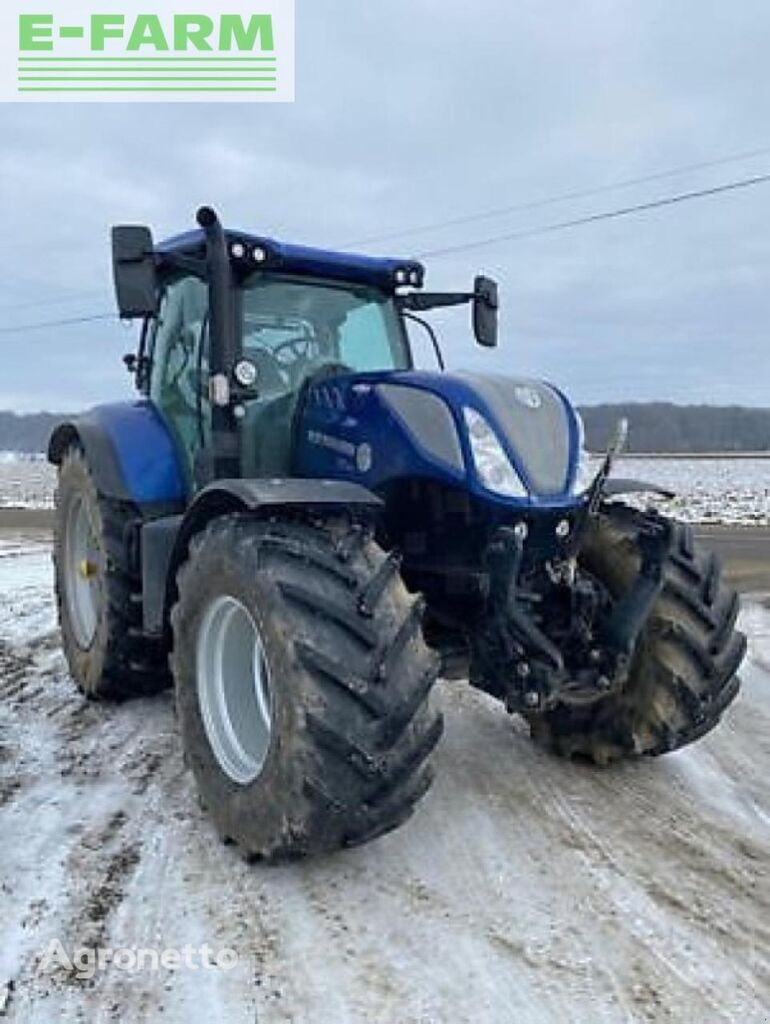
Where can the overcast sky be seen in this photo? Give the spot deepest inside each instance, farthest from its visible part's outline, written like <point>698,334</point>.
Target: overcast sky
<point>409,114</point>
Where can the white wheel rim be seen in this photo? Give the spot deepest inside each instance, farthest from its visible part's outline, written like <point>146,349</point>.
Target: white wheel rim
<point>81,574</point>
<point>233,686</point>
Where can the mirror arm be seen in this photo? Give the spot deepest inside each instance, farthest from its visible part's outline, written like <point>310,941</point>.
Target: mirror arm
<point>420,302</point>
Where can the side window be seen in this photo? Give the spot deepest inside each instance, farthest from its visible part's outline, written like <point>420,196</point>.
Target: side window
<point>366,343</point>
<point>178,378</point>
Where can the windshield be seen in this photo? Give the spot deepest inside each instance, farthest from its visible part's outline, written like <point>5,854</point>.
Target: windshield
<point>294,327</point>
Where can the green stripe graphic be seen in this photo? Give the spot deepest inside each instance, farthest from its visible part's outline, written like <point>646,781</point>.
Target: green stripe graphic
<point>170,74</point>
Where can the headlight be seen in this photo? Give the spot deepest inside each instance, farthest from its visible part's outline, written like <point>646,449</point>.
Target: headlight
<point>492,464</point>
<point>586,468</point>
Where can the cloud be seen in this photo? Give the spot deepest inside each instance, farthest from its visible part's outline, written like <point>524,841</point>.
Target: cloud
<point>406,117</point>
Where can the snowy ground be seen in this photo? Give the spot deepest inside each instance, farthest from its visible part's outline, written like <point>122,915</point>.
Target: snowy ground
<point>524,889</point>
<point>711,490</point>
<point>26,481</point>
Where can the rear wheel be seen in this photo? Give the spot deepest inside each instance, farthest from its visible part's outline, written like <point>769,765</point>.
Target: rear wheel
<point>683,673</point>
<point>98,595</point>
<point>303,685</point>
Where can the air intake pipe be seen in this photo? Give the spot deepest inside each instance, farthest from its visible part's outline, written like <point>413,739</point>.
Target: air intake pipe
<point>224,460</point>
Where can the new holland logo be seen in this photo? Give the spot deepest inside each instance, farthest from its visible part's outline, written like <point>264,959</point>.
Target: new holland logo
<point>528,396</point>
<point>222,51</point>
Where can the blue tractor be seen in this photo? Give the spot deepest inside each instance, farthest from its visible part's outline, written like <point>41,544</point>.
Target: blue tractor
<point>303,532</point>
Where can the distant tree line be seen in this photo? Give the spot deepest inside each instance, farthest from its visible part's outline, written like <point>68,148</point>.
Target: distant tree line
<point>28,432</point>
<point>653,427</point>
<point>663,427</point>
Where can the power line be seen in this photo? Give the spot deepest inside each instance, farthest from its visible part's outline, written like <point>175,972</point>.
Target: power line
<point>623,211</point>
<point>57,323</point>
<point>559,197</point>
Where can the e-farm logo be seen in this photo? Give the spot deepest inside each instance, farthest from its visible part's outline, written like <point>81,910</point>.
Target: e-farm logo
<point>166,50</point>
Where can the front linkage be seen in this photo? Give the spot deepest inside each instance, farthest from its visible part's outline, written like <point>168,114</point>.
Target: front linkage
<point>556,634</point>
<point>572,645</point>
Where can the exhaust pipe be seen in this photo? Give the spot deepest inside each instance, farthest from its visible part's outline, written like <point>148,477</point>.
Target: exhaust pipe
<point>221,312</point>
<point>224,459</point>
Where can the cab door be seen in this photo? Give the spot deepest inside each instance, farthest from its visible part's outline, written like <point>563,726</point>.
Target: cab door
<point>179,367</point>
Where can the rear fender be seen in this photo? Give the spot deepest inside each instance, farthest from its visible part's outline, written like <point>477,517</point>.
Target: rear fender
<point>131,454</point>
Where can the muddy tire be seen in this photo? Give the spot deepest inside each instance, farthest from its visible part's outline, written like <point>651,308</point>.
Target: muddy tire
<point>683,673</point>
<point>320,739</point>
<point>98,597</point>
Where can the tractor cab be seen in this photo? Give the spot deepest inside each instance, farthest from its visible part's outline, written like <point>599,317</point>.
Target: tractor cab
<point>238,327</point>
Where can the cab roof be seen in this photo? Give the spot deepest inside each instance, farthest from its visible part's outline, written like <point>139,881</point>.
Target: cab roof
<point>382,272</point>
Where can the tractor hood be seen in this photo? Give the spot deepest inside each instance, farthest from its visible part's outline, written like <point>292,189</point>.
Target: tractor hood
<point>375,428</point>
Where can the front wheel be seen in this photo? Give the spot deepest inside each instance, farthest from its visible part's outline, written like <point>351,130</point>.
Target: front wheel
<point>303,685</point>
<point>683,673</point>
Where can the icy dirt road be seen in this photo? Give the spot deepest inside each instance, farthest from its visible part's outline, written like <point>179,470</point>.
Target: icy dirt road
<point>524,889</point>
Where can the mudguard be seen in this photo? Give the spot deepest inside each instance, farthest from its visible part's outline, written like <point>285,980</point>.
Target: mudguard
<point>130,451</point>
<point>620,485</point>
<point>165,541</point>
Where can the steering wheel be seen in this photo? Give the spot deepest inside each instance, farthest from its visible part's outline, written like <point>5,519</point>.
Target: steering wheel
<point>298,347</point>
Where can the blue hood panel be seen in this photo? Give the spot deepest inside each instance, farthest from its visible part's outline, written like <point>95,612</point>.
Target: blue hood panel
<point>375,428</point>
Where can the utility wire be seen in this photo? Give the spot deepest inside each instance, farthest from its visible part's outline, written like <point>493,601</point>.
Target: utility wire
<point>623,211</point>
<point>559,197</point>
<point>57,323</point>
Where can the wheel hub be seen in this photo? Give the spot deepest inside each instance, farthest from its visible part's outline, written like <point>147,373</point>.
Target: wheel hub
<point>233,684</point>
<point>82,574</point>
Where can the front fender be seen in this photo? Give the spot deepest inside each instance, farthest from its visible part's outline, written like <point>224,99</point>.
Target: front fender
<point>620,485</point>
<point>166,541</point>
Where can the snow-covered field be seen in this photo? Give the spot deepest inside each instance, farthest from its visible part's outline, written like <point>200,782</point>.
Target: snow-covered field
<point>735,491</point>
<point>712,490</point>
<point>26,481</point>
<point>524,890</point>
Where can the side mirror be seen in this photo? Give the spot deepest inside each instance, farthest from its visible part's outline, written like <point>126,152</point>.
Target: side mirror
<point>133,267</point>
<point>485,306</point>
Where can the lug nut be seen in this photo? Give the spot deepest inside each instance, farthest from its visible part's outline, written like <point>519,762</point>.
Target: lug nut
<point>603,683</point>
<point>522,669</point>
<point>532,698</point>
